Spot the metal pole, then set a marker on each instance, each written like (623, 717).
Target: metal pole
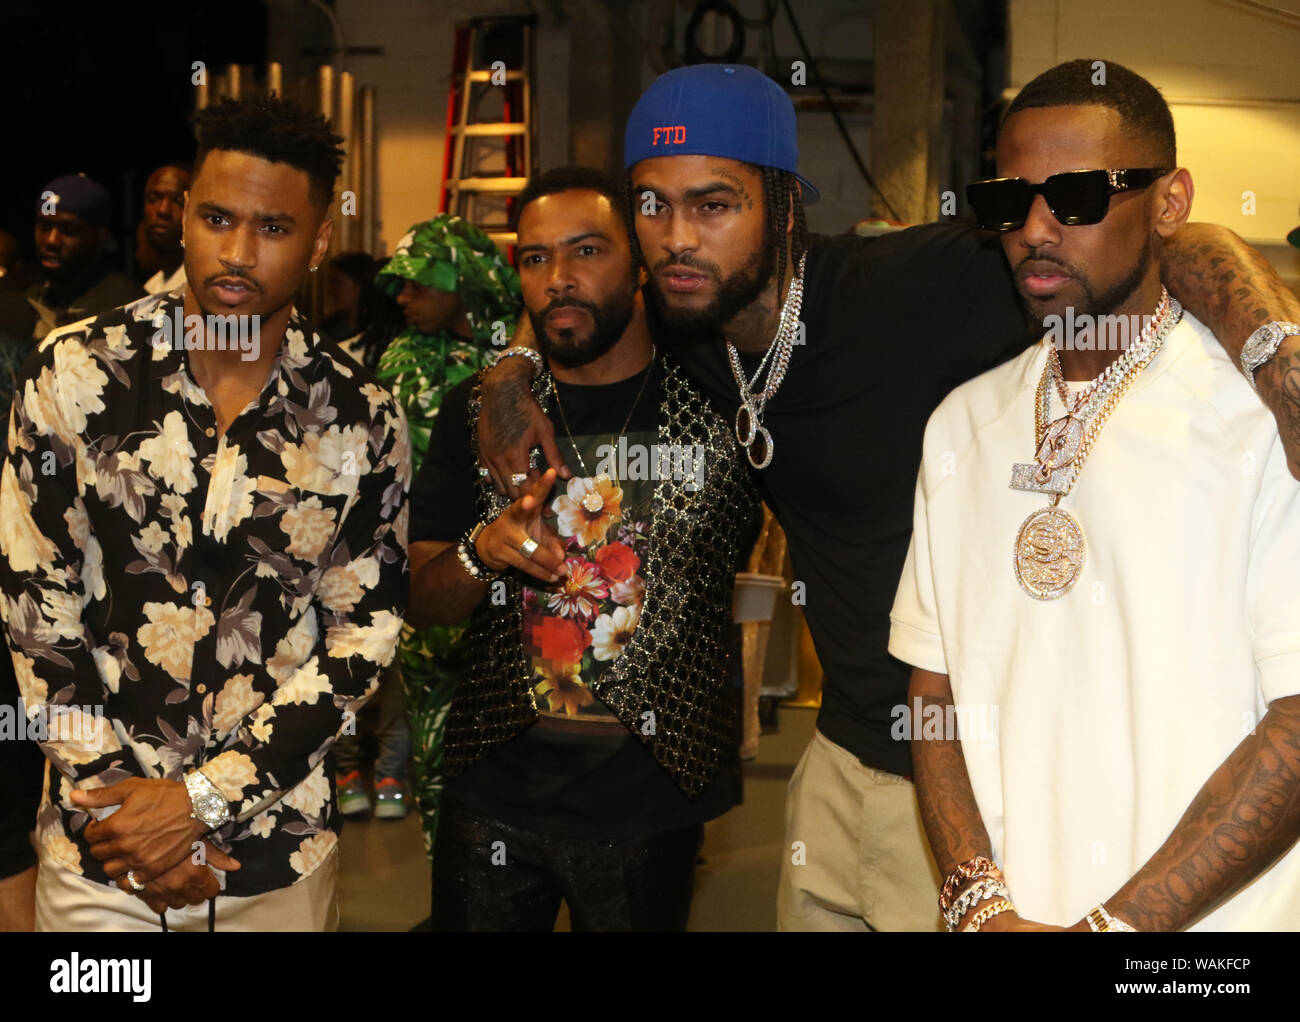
(368, 187)
(345, 224)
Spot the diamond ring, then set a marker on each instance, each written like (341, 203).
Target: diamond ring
(130, 879)
(519, 478)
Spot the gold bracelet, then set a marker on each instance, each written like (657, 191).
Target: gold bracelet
(986, 913)
(971, 869)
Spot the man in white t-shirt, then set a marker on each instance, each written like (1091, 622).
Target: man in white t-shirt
(1105, 706)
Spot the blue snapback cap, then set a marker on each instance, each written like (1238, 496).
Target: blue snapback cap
(728, 110)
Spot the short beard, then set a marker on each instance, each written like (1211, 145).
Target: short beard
(1096, 305)
(684, 327)
(610, 319)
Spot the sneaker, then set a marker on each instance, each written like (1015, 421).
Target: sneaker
(354, 803)
(390, 799)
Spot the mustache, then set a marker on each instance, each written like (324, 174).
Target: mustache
(567, 303)
(233, 275)
(690, 262)
(1039, 257)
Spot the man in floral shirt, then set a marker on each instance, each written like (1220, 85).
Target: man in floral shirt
(203, 562)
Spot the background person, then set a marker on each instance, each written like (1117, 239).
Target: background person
(72, 219)
(164, 206)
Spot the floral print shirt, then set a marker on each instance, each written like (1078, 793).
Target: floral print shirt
(178, 599)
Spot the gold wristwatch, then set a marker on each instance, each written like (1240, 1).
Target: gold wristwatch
(1102, 921)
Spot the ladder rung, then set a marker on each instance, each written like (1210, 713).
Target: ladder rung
(486, 76)
(511, 185)
(492, 128)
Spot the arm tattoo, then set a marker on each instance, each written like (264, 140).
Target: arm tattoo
(1278, 381)
(949, 811)
(1233, 290)
(1245, 817)
(1223, 282)
(507, 405)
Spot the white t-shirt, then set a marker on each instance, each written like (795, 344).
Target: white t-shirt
(1116, 702)
(160, 281)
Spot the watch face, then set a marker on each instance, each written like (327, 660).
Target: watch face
(209, 807)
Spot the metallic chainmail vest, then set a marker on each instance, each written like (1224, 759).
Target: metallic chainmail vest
(671, 687)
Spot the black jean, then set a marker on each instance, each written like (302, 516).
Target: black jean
(490, 876)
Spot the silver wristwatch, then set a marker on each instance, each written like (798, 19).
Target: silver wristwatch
(1263, 344)
(209, 806)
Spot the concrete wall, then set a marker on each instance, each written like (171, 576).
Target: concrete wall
(580, 44)
(1232, 79)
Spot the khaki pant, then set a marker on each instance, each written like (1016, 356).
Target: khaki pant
(68, 902)
(856, 855)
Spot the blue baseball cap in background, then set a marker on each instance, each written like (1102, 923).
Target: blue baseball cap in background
(728, 110)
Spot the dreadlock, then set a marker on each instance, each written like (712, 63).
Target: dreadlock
(779, 193)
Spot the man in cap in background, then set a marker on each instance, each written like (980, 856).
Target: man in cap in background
(72, 216)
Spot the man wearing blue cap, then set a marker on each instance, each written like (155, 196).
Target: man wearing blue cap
(72, 216)
(873, 335)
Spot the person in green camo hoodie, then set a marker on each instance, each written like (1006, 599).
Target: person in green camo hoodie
(461, 300)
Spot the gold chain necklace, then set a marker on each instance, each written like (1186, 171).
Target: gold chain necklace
(1049, 551)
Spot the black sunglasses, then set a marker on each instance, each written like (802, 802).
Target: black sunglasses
(1075, 197)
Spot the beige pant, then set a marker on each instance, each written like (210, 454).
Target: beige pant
(856, 855)
(69, 902)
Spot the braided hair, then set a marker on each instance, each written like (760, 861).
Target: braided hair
(779, 193)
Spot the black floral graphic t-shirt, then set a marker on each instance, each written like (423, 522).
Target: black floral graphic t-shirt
(578, 771)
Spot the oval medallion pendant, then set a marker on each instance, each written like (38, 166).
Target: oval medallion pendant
(760, 450)
(1049, 553)
(744, 424)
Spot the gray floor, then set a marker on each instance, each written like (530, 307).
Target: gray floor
(384, 881)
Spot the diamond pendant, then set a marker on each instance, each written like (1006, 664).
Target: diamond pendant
(759, 450)
(744, 424)
(1060, 445)
(1025, 475)
(1049, 553)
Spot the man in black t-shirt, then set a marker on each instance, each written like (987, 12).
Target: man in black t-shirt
(597, 792)
(889, 326)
